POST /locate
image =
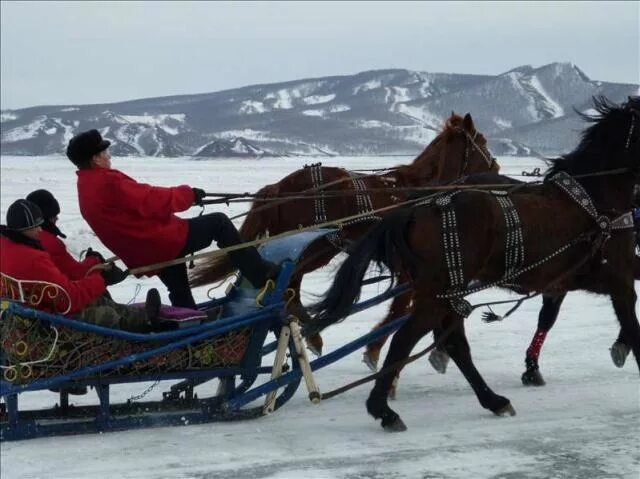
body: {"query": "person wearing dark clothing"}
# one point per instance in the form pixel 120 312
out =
pixel 22 258
pixel 138 223
pixel 51 234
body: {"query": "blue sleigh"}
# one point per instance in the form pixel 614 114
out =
pixel 41 351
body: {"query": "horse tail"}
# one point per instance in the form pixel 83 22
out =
pixel 385 243
pixel 256 224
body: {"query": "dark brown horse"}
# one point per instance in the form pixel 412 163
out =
pixel 574 231
pixel 458 150
pixel 549 311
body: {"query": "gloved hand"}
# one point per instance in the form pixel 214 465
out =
pixel 95 254
pixel 198 195
pixel 114 275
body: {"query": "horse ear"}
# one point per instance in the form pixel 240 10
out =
pixel 467 122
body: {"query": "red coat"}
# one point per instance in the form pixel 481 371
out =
pixel 63 260
pixel 24 262
pixel 134 220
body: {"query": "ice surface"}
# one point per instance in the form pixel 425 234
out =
pixel 585 423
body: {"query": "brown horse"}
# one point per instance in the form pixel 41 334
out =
pixel 458 150
pixel 574 231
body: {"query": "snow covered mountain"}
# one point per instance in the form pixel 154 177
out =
pixel 523 111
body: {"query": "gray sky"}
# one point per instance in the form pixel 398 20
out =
pixel 95 52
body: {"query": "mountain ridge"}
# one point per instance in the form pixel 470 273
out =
pixel 525 110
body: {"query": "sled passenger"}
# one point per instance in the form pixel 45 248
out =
pixel 23 257
pixel 137 221
pixel 50 238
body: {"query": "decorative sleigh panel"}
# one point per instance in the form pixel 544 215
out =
pixel 34 349
pixel 40 295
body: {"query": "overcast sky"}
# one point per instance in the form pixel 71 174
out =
pixel 95 52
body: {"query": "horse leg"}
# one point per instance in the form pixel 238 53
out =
pixel 402 343
pixel 399 306
pixel 457 347
pixel 624 306
pixel 546 319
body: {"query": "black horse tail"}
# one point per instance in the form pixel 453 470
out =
pixel 385 244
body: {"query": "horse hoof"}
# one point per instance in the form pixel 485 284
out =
pixel 397 425
pixel 505 410
pixel 619 352
pixel 371 363
pixel 532 378
pixel 439 360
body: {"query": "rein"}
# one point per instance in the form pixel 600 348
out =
pixel 310 190
pixel 226 198
pixel 221 252
pixel 340 193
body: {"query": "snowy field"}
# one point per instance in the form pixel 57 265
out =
pixel 585 423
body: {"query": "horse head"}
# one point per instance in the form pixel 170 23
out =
pixel 459 150
pixel 607 159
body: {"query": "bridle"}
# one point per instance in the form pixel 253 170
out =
pixel 469 145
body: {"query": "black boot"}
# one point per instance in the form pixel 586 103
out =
pixel 253 267
pixel 152 307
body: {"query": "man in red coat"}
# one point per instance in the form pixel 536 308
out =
pixel 51 234
pixel 138 223
pixel 23 258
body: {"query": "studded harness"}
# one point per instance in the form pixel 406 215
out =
pixel 364 203
pixel 514 239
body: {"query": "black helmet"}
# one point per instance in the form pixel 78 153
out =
pixel 46 201
pixel 84 146
pixel 23 215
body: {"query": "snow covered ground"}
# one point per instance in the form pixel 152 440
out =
pixel 585 423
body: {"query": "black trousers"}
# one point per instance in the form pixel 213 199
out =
pixel 203 230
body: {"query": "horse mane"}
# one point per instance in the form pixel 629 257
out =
pixel 449 127
pixel 596 147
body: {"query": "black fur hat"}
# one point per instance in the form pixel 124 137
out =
pixel 46 201
pixel 50 209
pixel 23 215
pixel 84 146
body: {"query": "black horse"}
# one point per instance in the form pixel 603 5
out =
pixel 516 241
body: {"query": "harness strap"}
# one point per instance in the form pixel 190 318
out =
pixel 514 250
pixel 319 204
pixel 577 192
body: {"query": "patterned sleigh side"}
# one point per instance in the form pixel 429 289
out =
pixel 34 348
